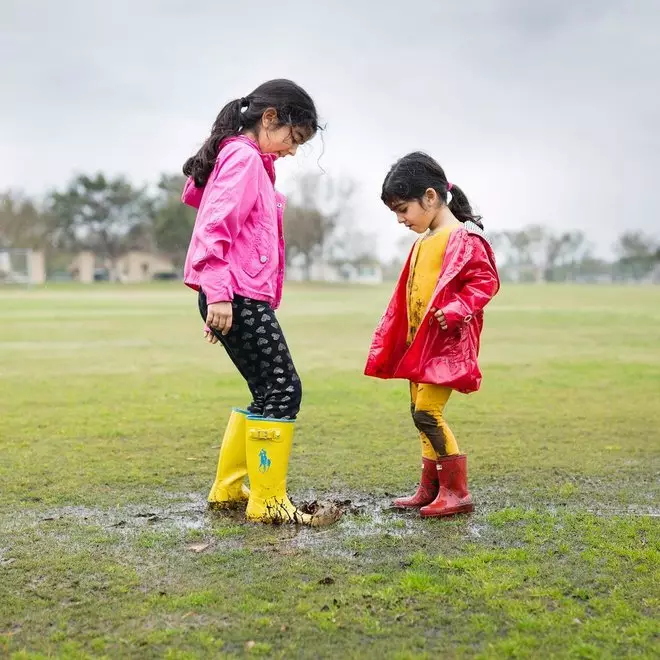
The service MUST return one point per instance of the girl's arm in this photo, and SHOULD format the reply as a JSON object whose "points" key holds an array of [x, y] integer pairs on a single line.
{"points": [[479, 283], [232, 194]]}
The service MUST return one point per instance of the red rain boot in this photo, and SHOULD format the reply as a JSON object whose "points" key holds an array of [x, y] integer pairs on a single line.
{"points": [[453, 496], [428, 488]]}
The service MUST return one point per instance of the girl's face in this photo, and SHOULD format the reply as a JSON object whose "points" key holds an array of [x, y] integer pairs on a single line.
{"points": [[280, 140], [418, 217]]}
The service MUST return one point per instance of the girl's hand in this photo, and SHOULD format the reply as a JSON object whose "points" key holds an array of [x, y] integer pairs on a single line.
{"points": [[209, 335], [440, 317], [219, 317]]}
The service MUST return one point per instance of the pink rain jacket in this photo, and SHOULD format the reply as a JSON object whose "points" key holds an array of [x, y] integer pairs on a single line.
{"points": [[237, 245]]}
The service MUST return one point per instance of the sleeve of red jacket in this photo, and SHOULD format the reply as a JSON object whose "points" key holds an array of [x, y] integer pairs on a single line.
{"points": [[231, 197], [479, 283]]}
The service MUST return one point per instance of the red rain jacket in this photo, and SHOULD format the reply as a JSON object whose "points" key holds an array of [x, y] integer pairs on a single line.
{"points": [[466, 284]]}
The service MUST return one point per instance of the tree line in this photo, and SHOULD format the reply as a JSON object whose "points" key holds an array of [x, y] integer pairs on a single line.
{"points": [[110, 216], [536, 253]]}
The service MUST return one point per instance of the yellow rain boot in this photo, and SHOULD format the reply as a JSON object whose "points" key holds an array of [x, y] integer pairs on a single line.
{"points": [[228, 489], [268, 449]]}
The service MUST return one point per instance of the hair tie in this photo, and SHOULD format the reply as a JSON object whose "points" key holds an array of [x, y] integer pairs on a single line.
{"points": [[449, 186], [244, 102]]}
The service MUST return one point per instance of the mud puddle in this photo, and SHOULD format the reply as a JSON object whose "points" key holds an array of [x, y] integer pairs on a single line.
{"points": [[367, 522], [368, 526]]}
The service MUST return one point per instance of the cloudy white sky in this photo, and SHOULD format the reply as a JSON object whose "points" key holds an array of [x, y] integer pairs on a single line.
{"points": [[543, 111]]}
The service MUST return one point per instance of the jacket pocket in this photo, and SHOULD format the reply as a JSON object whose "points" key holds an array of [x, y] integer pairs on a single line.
{"points": [[263, 249], [458, 343], [451, 345], [256, 262]]}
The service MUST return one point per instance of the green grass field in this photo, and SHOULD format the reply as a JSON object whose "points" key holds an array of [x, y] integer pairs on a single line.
{"points": [[111, 411]]}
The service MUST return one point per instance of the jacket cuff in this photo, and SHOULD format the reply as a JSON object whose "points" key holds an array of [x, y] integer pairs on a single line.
{"points": [[455, 316], [216, 293]]}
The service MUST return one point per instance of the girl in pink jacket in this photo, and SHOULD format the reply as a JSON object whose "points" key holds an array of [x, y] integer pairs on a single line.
{"points": [[236, 263]]}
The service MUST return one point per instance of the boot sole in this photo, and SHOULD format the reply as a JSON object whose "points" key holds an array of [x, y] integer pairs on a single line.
{"points": [[410, 506], [466, 508], [316, 521]]}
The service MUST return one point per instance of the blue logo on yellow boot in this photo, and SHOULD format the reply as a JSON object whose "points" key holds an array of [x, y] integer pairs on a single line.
{"points": [[264, 461]]}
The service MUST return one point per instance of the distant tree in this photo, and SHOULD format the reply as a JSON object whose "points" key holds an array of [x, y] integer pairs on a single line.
{"points": [[305, 229], [317, 204], [22, 223], [536, 253], [352, 247], [562, 251], [172, 220], [109, 217], [499, 241], [393, 266], [638, 254], [524, 251], [590, 268]]}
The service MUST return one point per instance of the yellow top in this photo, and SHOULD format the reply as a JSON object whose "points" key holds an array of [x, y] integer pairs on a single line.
{"points": [[425, 266]]}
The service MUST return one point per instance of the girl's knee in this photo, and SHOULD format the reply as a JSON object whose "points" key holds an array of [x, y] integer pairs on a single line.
{"points": [[425, 421], [432, 428]]}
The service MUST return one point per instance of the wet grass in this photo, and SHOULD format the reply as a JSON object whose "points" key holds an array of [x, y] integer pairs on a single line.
{"points": [[112, 408]]}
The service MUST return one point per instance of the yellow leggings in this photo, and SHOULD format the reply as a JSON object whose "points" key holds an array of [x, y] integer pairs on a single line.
{"points": [[427, 404]]}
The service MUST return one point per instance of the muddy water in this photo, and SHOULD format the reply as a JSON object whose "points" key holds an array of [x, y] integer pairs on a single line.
{"points": [[367, 527]]}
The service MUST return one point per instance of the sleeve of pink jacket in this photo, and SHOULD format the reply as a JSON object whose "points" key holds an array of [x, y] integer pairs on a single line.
{"points": [[232, 195]]}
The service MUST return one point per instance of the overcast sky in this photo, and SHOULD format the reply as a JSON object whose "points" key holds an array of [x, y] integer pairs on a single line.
{"points": [[542, 111]]}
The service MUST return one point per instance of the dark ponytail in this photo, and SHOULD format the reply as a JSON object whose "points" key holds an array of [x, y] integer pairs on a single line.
{"points": [[226, 124], [411, 176], [460, 207], [294, 107]]}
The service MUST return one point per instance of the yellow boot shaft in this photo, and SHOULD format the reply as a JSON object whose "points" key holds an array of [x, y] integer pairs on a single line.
{"points": [[268, 447], [228, 487]]}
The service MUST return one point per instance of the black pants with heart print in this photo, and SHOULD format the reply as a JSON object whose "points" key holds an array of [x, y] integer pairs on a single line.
{"points": [[257, 347]]}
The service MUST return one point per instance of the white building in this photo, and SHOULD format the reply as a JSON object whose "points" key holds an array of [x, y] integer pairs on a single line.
{"points": [[131, 268], [22, 266]]}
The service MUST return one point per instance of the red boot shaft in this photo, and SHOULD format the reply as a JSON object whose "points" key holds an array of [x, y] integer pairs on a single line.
{"points": [[453, 495], [428, 488]]}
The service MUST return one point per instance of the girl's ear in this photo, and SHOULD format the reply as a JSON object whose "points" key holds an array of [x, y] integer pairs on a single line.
{"points": [[269, 118], [431, 197]]}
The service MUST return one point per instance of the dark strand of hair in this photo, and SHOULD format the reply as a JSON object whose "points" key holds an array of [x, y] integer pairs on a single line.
{"points": [[411, 176], [293, 105]]}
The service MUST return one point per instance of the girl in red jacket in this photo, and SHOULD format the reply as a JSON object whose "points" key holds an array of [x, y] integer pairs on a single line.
{"points": [[430, 332]]}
